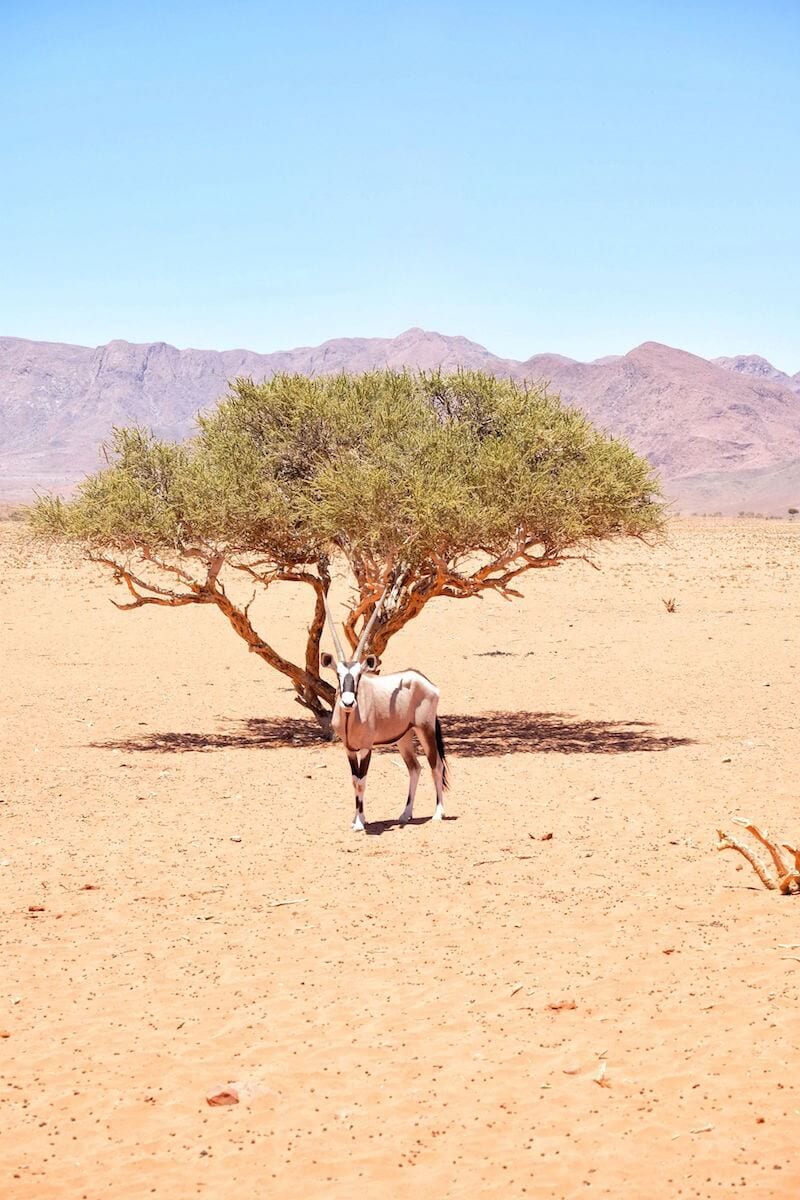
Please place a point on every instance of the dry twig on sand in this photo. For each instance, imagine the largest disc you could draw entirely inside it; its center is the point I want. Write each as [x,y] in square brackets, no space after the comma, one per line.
[787,879]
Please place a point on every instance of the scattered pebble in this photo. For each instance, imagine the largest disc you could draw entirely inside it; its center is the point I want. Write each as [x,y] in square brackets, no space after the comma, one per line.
[221,1096]
[236,839]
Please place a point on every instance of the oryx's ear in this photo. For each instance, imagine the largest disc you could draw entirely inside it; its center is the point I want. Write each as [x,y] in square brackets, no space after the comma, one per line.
[371,662]
[326,660]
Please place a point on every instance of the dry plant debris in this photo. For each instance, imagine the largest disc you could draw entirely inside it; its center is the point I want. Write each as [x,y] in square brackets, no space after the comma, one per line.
[787,879]
[600,1076]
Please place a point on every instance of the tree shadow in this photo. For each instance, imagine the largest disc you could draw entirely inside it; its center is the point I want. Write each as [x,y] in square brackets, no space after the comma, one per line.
[496,733]
[467,735]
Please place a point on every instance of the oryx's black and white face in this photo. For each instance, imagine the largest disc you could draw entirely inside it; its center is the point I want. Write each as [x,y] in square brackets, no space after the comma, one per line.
[349,674]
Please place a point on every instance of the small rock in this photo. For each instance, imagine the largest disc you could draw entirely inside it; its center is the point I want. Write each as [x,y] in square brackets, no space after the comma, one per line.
[220,1096]
[236,839]
[35,908]
[726,760]
[4,1033]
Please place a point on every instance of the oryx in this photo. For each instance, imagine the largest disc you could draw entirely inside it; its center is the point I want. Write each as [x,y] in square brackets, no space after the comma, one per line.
[374,710]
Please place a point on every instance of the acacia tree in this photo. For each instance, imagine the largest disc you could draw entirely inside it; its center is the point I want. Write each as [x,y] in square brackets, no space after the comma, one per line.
[421,485]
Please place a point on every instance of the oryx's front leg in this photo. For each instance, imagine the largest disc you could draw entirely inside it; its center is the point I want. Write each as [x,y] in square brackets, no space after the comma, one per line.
[406,748]
[359,765]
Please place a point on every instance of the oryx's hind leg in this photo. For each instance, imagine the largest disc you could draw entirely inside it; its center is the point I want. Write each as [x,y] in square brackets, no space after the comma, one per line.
[406,748]
[433,745]
[359,765]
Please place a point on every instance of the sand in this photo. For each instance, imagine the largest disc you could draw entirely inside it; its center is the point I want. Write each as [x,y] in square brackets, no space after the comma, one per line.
[431,1014]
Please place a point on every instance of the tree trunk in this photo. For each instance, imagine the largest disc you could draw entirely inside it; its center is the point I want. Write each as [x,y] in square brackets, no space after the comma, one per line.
[313,693]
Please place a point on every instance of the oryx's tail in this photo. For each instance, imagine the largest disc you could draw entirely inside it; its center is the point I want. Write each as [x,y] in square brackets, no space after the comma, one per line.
[441,750]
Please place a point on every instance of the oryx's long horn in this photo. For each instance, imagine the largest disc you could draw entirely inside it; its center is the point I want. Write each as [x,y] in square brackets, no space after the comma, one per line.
[363,641]
[334,634]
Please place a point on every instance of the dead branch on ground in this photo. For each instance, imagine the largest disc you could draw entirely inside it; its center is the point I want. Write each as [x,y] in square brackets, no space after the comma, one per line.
[787,879]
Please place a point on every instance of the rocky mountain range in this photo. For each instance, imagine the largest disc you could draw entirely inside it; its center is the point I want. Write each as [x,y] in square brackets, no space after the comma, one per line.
[723,434]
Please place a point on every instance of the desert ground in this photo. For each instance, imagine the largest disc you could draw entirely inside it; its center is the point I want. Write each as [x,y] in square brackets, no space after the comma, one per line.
[564,990]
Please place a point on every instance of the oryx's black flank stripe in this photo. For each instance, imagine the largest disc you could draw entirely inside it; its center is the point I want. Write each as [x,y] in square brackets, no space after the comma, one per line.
[393,741]
[354,749]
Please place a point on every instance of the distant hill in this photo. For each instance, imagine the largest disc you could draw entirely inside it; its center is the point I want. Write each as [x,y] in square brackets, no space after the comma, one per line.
[706,426]
[754,364]
[768,490]
[690,417]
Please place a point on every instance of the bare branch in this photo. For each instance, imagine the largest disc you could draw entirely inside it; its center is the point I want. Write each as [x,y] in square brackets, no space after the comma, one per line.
[728,843]
[148,556]
[312,691]
[786,879]
[144,591]
[775,854]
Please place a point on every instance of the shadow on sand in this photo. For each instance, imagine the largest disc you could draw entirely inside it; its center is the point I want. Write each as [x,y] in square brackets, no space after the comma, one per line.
[478,735]
[376,828]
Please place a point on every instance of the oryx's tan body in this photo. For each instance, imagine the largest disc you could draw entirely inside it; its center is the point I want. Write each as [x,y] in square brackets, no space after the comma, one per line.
[387,708]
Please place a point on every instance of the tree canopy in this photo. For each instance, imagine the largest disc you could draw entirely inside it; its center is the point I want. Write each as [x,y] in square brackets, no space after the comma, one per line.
[423,484]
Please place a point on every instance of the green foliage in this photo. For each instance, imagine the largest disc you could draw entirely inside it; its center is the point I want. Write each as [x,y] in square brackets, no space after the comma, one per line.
[427,484]
[387,467]
[135,501]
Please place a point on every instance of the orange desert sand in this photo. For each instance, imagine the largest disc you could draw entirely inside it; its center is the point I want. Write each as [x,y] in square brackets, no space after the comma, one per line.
[469,1009]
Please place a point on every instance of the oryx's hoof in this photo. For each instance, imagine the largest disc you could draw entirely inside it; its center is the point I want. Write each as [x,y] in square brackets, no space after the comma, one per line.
[358,825]
[439,814]
[405,816]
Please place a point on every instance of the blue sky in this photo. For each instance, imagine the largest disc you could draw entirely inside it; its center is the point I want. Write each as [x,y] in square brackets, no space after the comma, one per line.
[570,177]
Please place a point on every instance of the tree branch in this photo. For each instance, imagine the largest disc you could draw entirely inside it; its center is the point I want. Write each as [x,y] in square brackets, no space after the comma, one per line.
[145,592]
[312,691]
